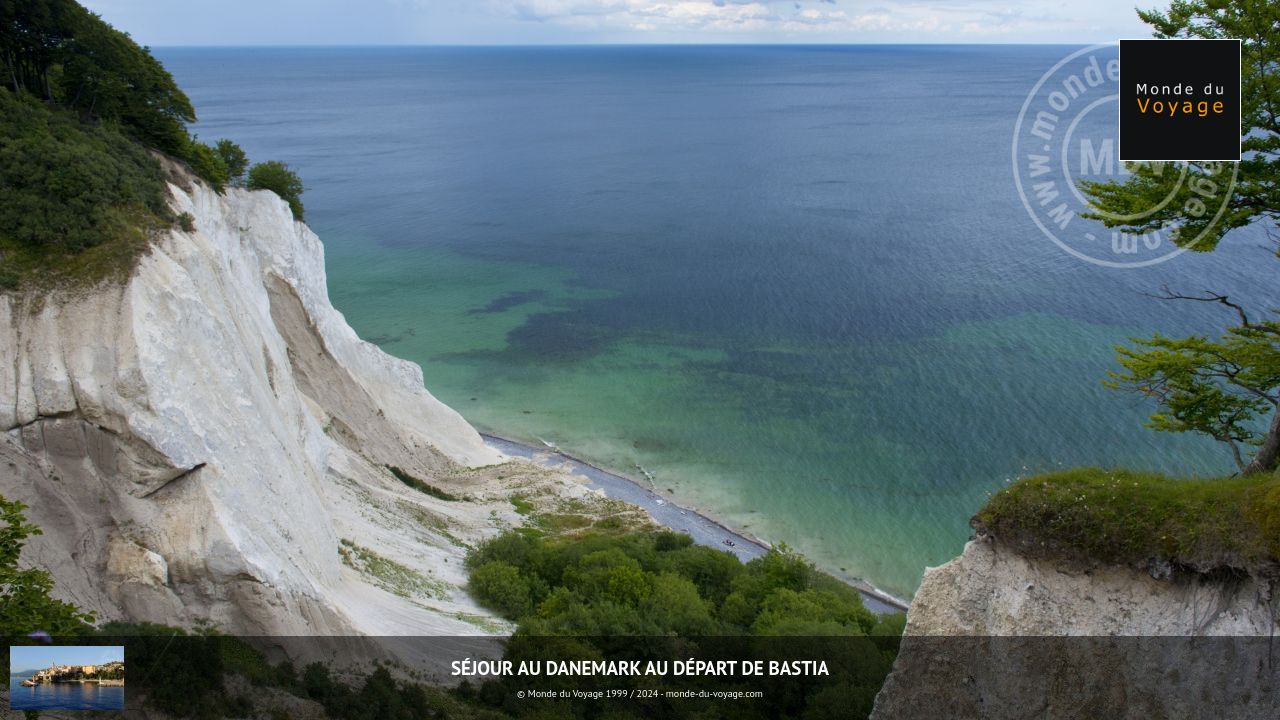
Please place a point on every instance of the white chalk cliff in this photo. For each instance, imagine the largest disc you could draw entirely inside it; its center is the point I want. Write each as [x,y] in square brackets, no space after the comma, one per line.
[995,634]
[199,440]
[993,590]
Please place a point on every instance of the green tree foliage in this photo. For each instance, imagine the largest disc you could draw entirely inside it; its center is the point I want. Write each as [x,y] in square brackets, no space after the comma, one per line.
[208,164]
[502,587]
[32,33]
[105,75]
[81,106]
[68,186]
[62,52]
[234,159]
[1226,389]
[1220,388]
[78,64]
[276,176]
[1256,194]
[657,596]
[657,583]
[25,602]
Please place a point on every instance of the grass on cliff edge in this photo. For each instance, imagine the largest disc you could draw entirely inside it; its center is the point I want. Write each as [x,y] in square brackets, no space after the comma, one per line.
[1090,516]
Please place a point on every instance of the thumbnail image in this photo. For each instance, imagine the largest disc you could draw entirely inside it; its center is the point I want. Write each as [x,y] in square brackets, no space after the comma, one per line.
[66,677]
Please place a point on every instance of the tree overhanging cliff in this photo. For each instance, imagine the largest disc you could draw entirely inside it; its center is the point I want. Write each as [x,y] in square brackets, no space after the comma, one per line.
[1226,388]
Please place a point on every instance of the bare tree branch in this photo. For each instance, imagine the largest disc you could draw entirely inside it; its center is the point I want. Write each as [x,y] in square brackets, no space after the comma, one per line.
[1209,296]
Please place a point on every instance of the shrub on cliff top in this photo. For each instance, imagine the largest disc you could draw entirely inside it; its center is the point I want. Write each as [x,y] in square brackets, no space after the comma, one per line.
[275,176]
[1090,516]
[234,159]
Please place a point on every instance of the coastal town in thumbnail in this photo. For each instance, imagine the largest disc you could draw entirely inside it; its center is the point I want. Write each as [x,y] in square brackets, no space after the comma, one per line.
[111,673]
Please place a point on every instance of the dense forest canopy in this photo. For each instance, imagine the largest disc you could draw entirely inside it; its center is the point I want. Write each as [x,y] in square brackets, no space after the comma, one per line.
[61,52]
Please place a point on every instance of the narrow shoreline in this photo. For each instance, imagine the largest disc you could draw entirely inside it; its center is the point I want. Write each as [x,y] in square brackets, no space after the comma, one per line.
[704,529]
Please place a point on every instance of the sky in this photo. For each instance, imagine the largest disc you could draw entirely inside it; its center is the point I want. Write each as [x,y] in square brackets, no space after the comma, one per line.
[164,23]
[39,657]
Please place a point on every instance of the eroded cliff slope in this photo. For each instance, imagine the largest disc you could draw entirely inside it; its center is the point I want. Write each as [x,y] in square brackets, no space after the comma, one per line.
[208,441]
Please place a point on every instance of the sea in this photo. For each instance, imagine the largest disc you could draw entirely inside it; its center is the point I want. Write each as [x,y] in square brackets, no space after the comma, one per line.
[64,696]
[795,285]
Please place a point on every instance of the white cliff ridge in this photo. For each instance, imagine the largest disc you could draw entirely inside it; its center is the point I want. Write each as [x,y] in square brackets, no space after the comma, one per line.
[209,441]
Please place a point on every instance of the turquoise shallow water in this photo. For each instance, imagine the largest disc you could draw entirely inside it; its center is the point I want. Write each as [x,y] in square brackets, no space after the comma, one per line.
[795,284]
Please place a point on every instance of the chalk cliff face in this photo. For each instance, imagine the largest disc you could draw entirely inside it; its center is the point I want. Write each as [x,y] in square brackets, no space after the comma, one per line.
[994,634]
[210,441]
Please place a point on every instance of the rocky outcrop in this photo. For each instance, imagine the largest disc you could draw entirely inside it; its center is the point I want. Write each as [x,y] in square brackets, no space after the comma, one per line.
[208,441]
[990,590]
[994,634]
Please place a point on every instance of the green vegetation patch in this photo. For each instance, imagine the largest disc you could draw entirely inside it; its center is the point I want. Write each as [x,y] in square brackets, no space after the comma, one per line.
[654,583]
[390,575]
[561,523]
[553,515]
[82,110]
[1090,516]
[656,596]
[432,522]
[522,505]
[79,200]
[421,485]
[276,176]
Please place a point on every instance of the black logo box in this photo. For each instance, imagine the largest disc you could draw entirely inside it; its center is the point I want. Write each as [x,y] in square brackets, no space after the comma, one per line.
[1186,68]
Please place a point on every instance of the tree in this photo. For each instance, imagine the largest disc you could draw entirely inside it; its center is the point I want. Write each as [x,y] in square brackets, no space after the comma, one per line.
[233,158]
[32,32]
[276,176]
[25,603]
[69,186]
[674,604]
[1222,388]
[500,586]
[208,164]
[70,57]
[1256,194]
[104,74]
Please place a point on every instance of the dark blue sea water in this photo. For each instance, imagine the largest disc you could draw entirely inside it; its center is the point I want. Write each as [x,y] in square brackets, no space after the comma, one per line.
[64,696]
[796,284]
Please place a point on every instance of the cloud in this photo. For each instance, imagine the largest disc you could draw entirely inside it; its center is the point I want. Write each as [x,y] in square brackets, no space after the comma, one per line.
[919,18]
[687,15]
[335,22]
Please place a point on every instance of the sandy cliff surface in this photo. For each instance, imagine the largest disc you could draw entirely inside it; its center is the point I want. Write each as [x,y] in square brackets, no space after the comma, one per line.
[993,634]
[209,441]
